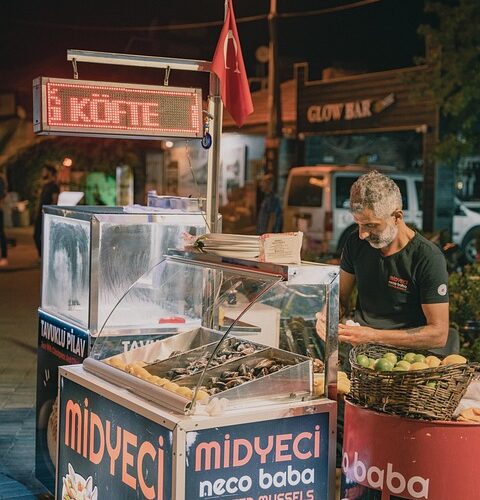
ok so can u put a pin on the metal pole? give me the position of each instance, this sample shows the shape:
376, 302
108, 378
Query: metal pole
274, 130
215, 109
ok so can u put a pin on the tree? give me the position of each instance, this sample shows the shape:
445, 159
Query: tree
453, 51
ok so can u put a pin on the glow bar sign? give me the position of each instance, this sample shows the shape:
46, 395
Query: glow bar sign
104, 109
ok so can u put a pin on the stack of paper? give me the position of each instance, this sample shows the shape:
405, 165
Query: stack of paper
281, 248
240, 246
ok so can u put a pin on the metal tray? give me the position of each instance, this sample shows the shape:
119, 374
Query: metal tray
293, 381
227, 352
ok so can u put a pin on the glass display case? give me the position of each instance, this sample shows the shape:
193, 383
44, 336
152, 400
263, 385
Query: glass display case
91, 255
223, 334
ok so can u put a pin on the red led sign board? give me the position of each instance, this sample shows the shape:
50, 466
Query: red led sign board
103, 109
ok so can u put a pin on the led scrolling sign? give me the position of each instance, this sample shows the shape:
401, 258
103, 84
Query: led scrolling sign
105, 109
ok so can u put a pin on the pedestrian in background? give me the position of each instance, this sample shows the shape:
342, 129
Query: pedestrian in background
3, 238
48, 196
270, 219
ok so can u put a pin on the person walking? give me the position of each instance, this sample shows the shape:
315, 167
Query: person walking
3, 238
48, 196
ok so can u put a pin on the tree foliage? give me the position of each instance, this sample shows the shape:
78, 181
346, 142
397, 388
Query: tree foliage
453, 41
464, 292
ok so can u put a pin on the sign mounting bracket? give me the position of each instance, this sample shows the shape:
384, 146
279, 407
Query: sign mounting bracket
138, 60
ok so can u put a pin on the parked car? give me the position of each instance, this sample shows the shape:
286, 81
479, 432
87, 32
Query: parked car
317, 203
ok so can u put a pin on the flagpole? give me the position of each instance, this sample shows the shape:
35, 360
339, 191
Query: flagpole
215, 110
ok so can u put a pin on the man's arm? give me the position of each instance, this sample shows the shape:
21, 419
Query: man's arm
433, 334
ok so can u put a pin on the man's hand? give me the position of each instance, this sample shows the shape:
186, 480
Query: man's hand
355, 335
321, 324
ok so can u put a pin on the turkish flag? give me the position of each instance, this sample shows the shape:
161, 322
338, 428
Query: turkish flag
228, 65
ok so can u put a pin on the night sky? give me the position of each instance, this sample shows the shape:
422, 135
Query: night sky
35, 35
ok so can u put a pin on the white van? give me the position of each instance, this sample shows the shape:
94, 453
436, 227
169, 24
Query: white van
317, 203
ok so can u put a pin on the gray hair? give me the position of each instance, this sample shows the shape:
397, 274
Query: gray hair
376, 192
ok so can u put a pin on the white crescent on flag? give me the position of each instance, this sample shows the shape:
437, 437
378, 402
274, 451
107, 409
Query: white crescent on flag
235, 47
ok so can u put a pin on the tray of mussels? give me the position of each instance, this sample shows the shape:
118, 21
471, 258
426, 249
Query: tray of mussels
194, 370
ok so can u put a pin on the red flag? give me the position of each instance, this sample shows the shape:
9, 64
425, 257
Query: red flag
229, 67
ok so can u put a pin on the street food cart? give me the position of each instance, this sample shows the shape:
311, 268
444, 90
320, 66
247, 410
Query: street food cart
239, 411
225, 406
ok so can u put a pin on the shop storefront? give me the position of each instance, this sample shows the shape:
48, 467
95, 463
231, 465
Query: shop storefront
183, 173
376, 118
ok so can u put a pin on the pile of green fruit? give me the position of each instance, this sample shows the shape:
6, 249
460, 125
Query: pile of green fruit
389, 362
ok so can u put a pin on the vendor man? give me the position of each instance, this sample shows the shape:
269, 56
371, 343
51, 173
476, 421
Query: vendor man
401, 277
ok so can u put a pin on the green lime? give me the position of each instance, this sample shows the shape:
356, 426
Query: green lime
419, 358
371, 362
399, 369
432, 384
392, 357
383, 365
410, 356
362, 360
404, 365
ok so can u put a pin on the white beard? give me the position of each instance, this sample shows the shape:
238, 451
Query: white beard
384, 239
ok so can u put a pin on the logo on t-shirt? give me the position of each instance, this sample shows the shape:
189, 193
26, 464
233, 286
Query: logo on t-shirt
442, 289
397, 283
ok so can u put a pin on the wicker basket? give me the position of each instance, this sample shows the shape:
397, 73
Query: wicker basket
408, 393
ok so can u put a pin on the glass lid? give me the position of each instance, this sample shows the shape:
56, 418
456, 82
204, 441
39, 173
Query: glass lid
179, 296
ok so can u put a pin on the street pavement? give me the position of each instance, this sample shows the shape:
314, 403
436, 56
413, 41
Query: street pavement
19, 300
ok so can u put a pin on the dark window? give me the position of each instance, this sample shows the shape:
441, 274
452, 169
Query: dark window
342, 191
419, 189
306, 191
402, 185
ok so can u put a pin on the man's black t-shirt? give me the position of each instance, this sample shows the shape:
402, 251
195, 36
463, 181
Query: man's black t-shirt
392, 289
